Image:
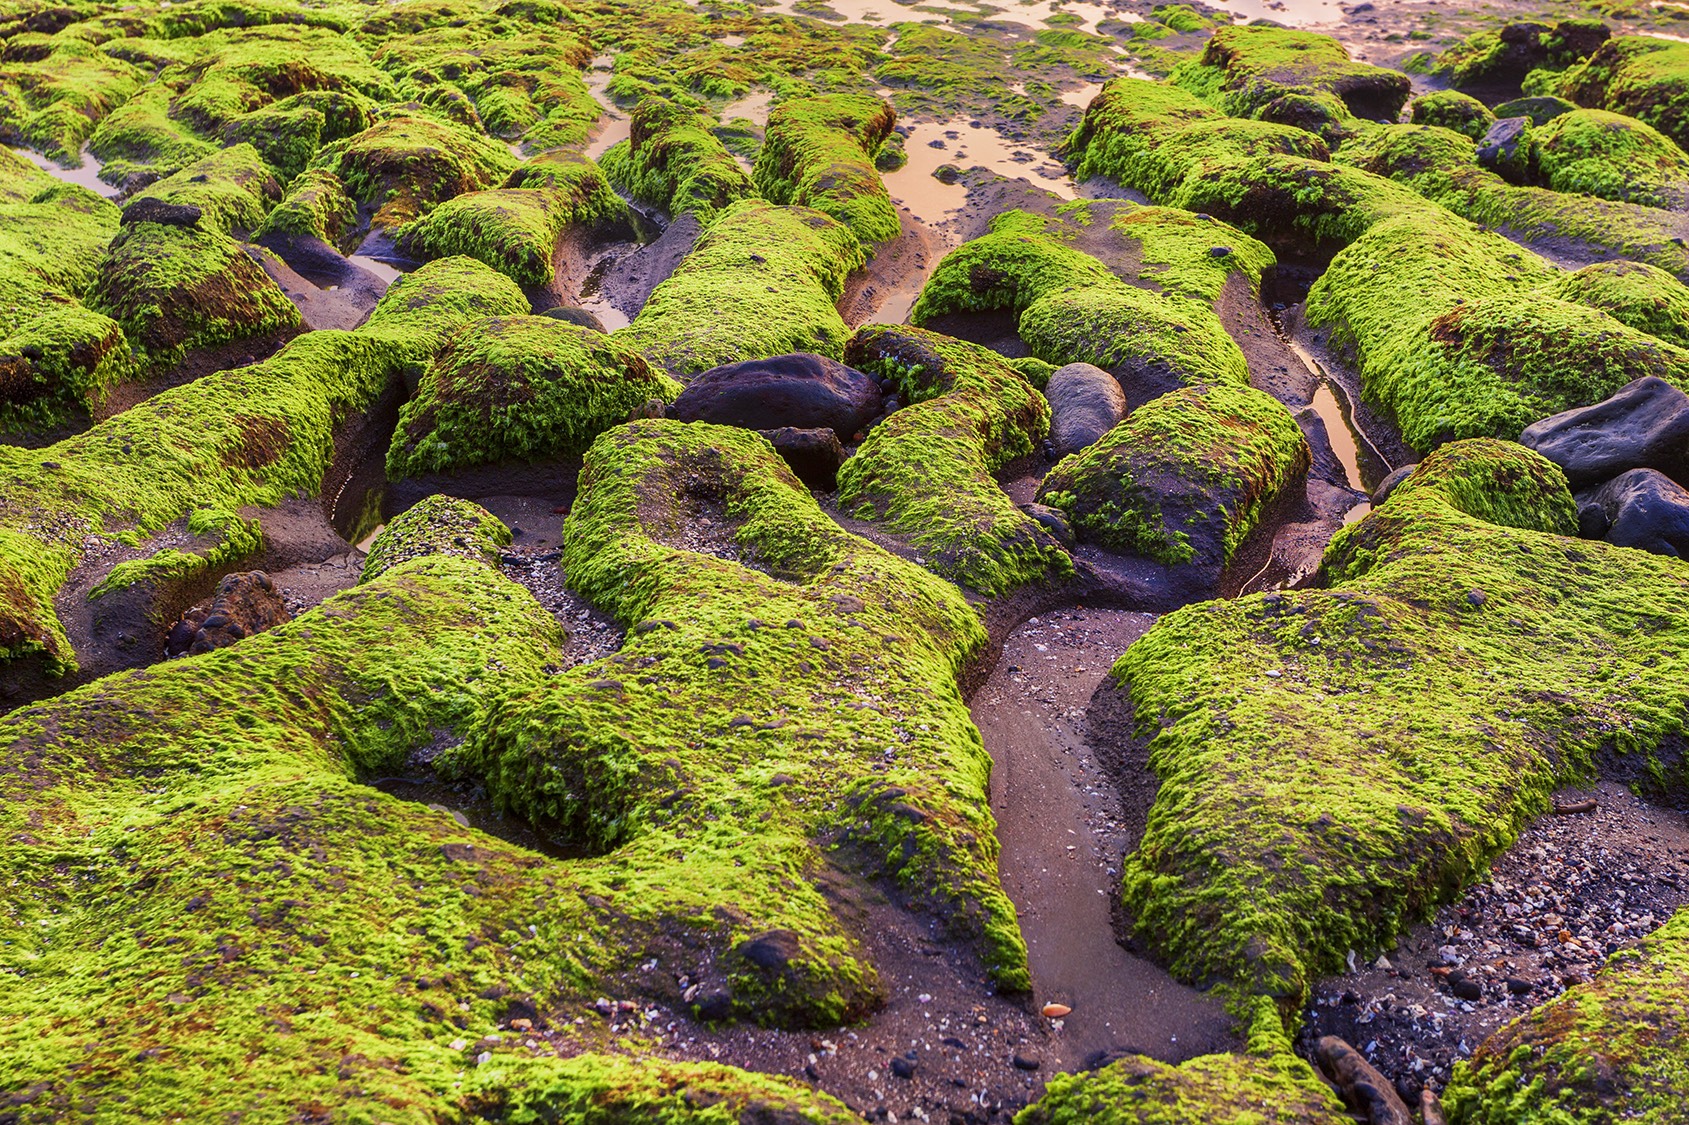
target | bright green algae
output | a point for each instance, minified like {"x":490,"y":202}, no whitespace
{"x":1644,"y":297}
{"x":1451,"y":109}
{"x":226,"y":539}
{"x":316,"y":206}
{"x":232,"y":188}
{"x":406,"y":162}
{"x":1194,"y":461}
{"x":1245,"y":70}
{"x":516,"y":229}
{"x":673,"y":162}
{"x":248,"y":436}
{"x":819,"y":152}
{"x":1461,"y":658}
{"x":57,"y":356}
{"x":527,"y":388}
{"x":761,"y":282}
{"x":1072,"y":306}
{"x":635,"y":757}
{"x":1612,"y":156}
{"x":925,"y":471}
{"x":1639,"y":76}
{"x":437,"y":525}
{"x":1606,"y":1051}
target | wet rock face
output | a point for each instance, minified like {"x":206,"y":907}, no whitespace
{"x":149,"y":210}
{"x":1643,"y":509}
{"x":244,"y":604}
{"x":813,"y":454}
{"x":1086,"y":402}
{"x":1644,"y":426}
{"x":1507,"y":150}
{"x":801,"y":391}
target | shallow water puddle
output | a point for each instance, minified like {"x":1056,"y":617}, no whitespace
{"x":87,"y":176}
{"x":386,"y":271}
{"x":1064,"y":829}
{"x":613,"y":124}
{"x":1292,"y":13}
{"x":933,"y":144}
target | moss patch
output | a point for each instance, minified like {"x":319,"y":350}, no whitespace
{"x":819,"y":152}
{"x":672,"y":161}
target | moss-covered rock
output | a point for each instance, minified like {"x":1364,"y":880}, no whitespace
{"x":1452,"y":109}
{"x":233,"y":189}
{"x":437,"y":525}
{"x":405,"y":162}
{"x":248,"y":436}
{"x":175,"y":289}
{"x":514,"y":229}
{"x":819,"y":152}
{"x":1641,"y":296}
{"x":1185,"y":478}
{"x":761,"y":282}
{"x":57,"y":357}
{"x":53,"y":101}
{"x":1509,"y":54}
{"x":140,"y":139}
{"x":1243,"y":70}
{"x":1609,"y":1050}
{"x":1612,"y":156}
{"x":524,"y":388}
{"x":673,"y":162}
{"x":926,"y":471}
{"x":316,"y":206}
{"x":1336,"y":761}
{"x":1636,"y":75}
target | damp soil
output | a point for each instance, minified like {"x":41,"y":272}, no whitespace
{"x":1574,"y":889}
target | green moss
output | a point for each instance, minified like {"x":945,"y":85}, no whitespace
{"x":174,"y":289}
{"x":761,"y":282}
{"x":231,"y":540}
{"x":1180,"y":18}
{"x":1433,"y":312}
{"x":1244,"y":69}
{"x":945,"y":72}
{"x":316,"y":206}
{"x":1127,"y":328}
{"x":1540,"y":111}
{"x":673,"y":162}
{"x":52,"y":104}
{"x":1267,"y":1086}
{"x":242,"y":69}
{"x":1613,"y":157}
{"x":247,"y":436}
{"x":1448,"y":674}
{"x":1639,"y":76}
{"x":1185,"y":478}
{"x":233,"y":189}
{"x":140,"y":138}
{"x":1033,"y":370}
{"x":526,"y":388}
{"x":437,"y":525}
{"x":925,"y":472}
{"x":819,"y":152}
{"x":57,"y":357}
{"x":408,"y":161}
{"x":1008,"y":269}
{"x":611,"y":1090}
{"x":285,"y":138}
{"x":1642,"y":296}
{"x":518,"y":77}
{"x":667,"y":752}
{"x":1608,"y":1050}
{"x":516,"y":230}
{"x":1452,"y":109}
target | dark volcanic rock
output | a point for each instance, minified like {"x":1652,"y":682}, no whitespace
{"x":814,"y":455}
{"x":244,"y":604}
{"x":571,"y":314}
{"x":1646,"y":510}
{"x":806,"y":392}
{"x":148,"y":210}
{"x":1644,"y":426}
{"x":1086,"y":402}
{"x":1508,"y":151}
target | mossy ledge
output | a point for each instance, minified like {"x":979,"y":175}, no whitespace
{"x":926,"y":471}
{"x":1336,"y":761}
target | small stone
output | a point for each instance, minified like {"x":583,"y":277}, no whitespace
{"x":1519,"y":987}
{"x":1026,"y":1062}
{"x":903,"y":1067}
{"x":1219,"y":251}
{"x":1055,"y":1011}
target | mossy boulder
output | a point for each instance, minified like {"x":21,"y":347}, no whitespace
{"x":1507,"y":55}
{"x":408,"y":161}
{"x":819,"y":152}
{"x":247,"y":436}
{"x":1452,"y":109}
{"x":71,"y":84}
{"x":1336,"y":761}
{"x":175,"y":289}
{"x":673,"y":162}
{"x":761,"y":282}
{"x":316,"y":206}
{"x":1611,"y":1049}
{"x":516,"y":230}
{"x":1636,"y":294}
{"x":926,"y":471}
{"x":1636,"y":75}
{"x":1244,"y":69}
{"x":438,"y":525}
{"x":140,"y":140}
{"x":1185,"y":478}
{"x":525,"y":388}
{"x":233,"y":189}
{"x":1612,"y":156}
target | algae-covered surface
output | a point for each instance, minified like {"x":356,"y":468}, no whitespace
{"x":586,"y":683}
